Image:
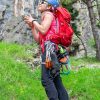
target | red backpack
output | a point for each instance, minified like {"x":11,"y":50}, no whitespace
{"x":64,"y":32}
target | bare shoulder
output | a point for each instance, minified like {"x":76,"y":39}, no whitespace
{"x":49,"y":15}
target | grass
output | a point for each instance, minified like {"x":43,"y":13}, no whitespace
{"x":84,"y":84}
{"x":19,"y":82}
{"x":84,"y":62}
{"x":16,"y":79}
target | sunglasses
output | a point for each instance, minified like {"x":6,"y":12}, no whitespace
{"x":43,"y":2}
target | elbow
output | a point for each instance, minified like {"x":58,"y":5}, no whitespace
{"x":43,"y":32}
{"x":37,"y":39}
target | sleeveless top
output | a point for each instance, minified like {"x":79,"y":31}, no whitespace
{"x":51,"y":30}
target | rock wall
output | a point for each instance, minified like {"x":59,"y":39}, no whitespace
{"x":84,"y":26}
{"x":13,"y":29}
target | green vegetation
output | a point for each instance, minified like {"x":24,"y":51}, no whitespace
{"x":19,"y":82}
{"x":16,"y":78}
{"x":98,"y":24}
{"x":91,"y":43}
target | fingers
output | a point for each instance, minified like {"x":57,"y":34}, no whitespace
{"x":27,"y":21}
{"x":28,"y":17}
{"x":29,"y":24}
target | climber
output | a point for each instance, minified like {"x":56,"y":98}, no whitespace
{"x":50,"y":78}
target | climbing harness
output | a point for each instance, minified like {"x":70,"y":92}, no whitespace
{"x":57,"y":59}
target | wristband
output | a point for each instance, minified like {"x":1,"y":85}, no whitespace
{"x":33,"y":20}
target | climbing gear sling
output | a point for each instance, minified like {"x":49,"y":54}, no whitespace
{"x":57,"y":59}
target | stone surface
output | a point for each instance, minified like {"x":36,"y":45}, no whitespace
{"x":13,"y":29}
{"x":84,"y":26}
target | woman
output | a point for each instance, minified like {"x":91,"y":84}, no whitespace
{"x":52,"y":84}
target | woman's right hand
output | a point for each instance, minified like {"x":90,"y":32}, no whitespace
{"x":30,"y":24}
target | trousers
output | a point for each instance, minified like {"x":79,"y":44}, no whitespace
{"x":54,"y":87}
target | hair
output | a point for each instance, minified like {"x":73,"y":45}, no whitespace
{"x":52,"y":9}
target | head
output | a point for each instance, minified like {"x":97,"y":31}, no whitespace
{"x":47,"y":5}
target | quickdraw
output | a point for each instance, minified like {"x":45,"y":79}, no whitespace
{"x":49,"y":49}
{"x":64,"y":60}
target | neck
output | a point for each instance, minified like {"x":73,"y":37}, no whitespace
{"x":45,"y":12}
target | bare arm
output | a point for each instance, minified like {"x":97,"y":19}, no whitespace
{"x":45,"y":25}
{"x":35,"y":34}
{"x":34,"y":31}
{"x":36,"y":27}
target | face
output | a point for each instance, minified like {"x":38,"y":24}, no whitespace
{"x":42,"y":6}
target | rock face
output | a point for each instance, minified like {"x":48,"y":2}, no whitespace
{"x":13,"y":29}
{"x":84,"y":26}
